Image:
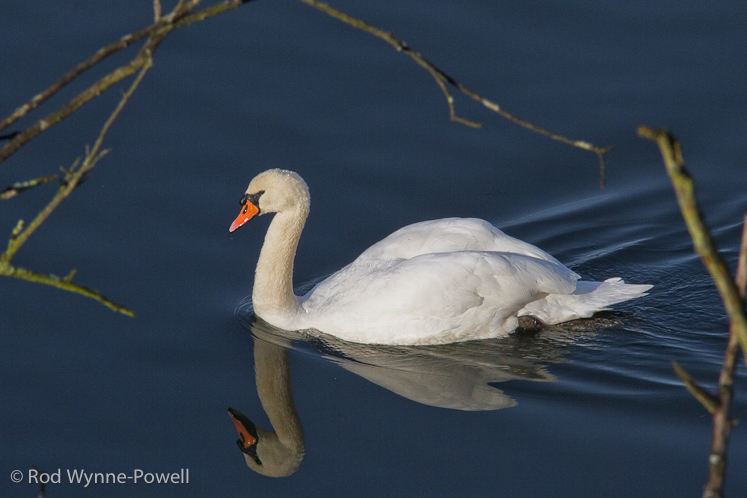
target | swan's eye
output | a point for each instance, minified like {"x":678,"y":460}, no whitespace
{"x":253,"y":198}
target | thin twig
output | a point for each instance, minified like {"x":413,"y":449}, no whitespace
{"x":722,"y":421}
{"x":72,"y":179}
{"x":704,"y":246}
{"x":179,"y":17}
{"x":100,"y":55}
{"x":442,"y":78}
{"x":732,"y":293}
{"x":157,"y":10}
{"x":19,"y":187}
{"x":741,"y":279}
{"x":62,"y":283}
{"x":709,"y":401}
{"x":156,"y":31}
{"x":73,"y":176}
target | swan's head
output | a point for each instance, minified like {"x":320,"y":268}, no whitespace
{"x":263,"y":451}
{"x":273,"y":191}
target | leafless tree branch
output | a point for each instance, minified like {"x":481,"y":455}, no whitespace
{"x":442,"y":79}
{"x":732,"y":294}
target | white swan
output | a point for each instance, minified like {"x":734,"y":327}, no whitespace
{"x":432,"y":282}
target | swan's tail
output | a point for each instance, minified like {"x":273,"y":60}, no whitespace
{"x":587,"y":299}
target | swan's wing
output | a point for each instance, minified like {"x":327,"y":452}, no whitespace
{"x":432,"y":292}
{"x":449,"y":235}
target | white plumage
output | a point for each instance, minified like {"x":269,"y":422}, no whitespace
{"x":432,"y":282}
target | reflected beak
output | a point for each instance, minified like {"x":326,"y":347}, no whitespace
{"x":245,"y":428}
{"x":248,"y":211}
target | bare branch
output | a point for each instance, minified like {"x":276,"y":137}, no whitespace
{"x":73,"y":176}
{"x":706,"y":399}
{"x":741,"y":279}
{"x":704,"y":246}
{"x":157,"y":32}
{"x":62,"y":283}
{"x":19,"y":187}
{"x":732,"y":293}
{"x":442,"y":78}
{"x":157,"y":12}
{"x":72,"y":179}
{"x":722,"y":422}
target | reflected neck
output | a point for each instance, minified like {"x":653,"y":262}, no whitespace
{"x":281,"y":450}
{"x":272,"y":365}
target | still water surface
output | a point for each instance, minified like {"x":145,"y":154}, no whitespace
{"x":586,"y":409}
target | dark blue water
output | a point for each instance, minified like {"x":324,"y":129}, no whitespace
{"x":596,"y":408}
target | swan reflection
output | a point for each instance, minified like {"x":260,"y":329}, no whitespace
{"x":461,"y":376}
{"x":278,"y":452}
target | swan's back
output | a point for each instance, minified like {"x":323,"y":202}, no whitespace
{"x":449,"y":235}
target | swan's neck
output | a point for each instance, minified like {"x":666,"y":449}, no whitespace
{"x":272,"y":365}
{"x":273,"y":296}
{"x":282,"y":450}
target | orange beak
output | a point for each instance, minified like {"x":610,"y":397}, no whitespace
{"x":247,"y":439}
{"x":247,"y":213}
